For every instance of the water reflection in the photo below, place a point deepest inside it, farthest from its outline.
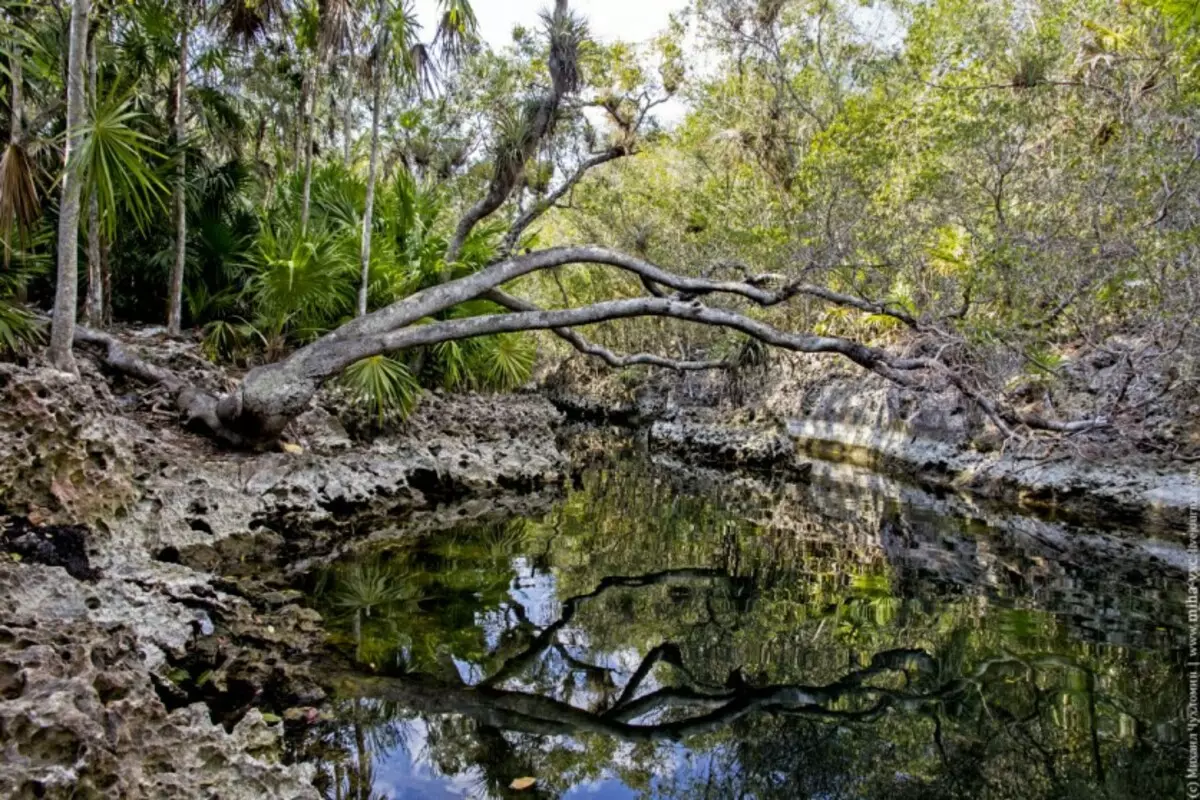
(652, 636)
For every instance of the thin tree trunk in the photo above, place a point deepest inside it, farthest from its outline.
(175, 300)
(93, 303)
(16, 70)
(106, 314)
(372, 168)
(348, 117)
(62, 328)
(308, 110)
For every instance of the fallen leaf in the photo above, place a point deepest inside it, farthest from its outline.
(289, 447)
(522, 783)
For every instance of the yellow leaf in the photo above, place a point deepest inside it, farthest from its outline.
(522, 783)
(289, 447)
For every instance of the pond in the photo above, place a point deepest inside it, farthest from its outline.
(663, 633)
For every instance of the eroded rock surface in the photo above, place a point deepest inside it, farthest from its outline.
(128, 670)
(80, 718)
(822, 409)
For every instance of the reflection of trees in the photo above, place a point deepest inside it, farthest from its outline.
(795, 660)
(1005, 710)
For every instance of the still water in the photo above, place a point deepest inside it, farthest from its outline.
(656, 635)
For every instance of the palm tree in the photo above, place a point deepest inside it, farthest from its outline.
(62, 329)
(398, 55)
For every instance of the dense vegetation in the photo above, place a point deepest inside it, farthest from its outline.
(978, 193)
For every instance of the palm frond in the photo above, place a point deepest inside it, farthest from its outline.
(119, 165)
(383, 384)
(458, 30)
(19, 205)
(18, 328)
(505, 361)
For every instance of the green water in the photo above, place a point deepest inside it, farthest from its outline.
(659, 636)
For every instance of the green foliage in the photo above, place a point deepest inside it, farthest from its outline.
(19, 329)
(505, 360)
(120, 164)
(384, 385)
(301, 283)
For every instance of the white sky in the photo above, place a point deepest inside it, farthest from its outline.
(630, 20)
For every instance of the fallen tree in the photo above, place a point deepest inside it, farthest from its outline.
(271, 395)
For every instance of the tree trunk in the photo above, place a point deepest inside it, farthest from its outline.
(372, 168)
(62, 329)
(348, 118)
(106, 314)
(175, 299)
(272, 395)
(16, 71)
(309, 100)
(93, 303)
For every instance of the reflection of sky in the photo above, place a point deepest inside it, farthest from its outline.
(407, 773)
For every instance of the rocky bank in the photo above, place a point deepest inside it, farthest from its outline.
(131, 664)
(801, 410)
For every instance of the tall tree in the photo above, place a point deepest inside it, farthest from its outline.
(175, 299)
(62, 329)
(381, 42)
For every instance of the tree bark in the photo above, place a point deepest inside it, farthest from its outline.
(270, 396)
(309, 100)
(93, 304)
(106, 314)
(62, 329)
(373, 166)
(175, 299)
(348, 114)
(510, 168)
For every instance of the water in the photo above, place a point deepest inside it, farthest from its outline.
(660, 636)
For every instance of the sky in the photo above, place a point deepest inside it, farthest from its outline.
(631, 20)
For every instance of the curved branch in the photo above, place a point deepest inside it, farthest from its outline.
(539, 208)
(540, 120)
(590, 348)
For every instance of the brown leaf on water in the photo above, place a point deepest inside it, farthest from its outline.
(522, 783)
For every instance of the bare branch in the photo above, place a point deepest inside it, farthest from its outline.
(592, 349)
(531, 214)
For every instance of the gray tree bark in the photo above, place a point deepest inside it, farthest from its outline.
(348, 112)
(270, 396)
(62, 329)
(93, 302)
(17, 105)
(175, 297)
(309, 99)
